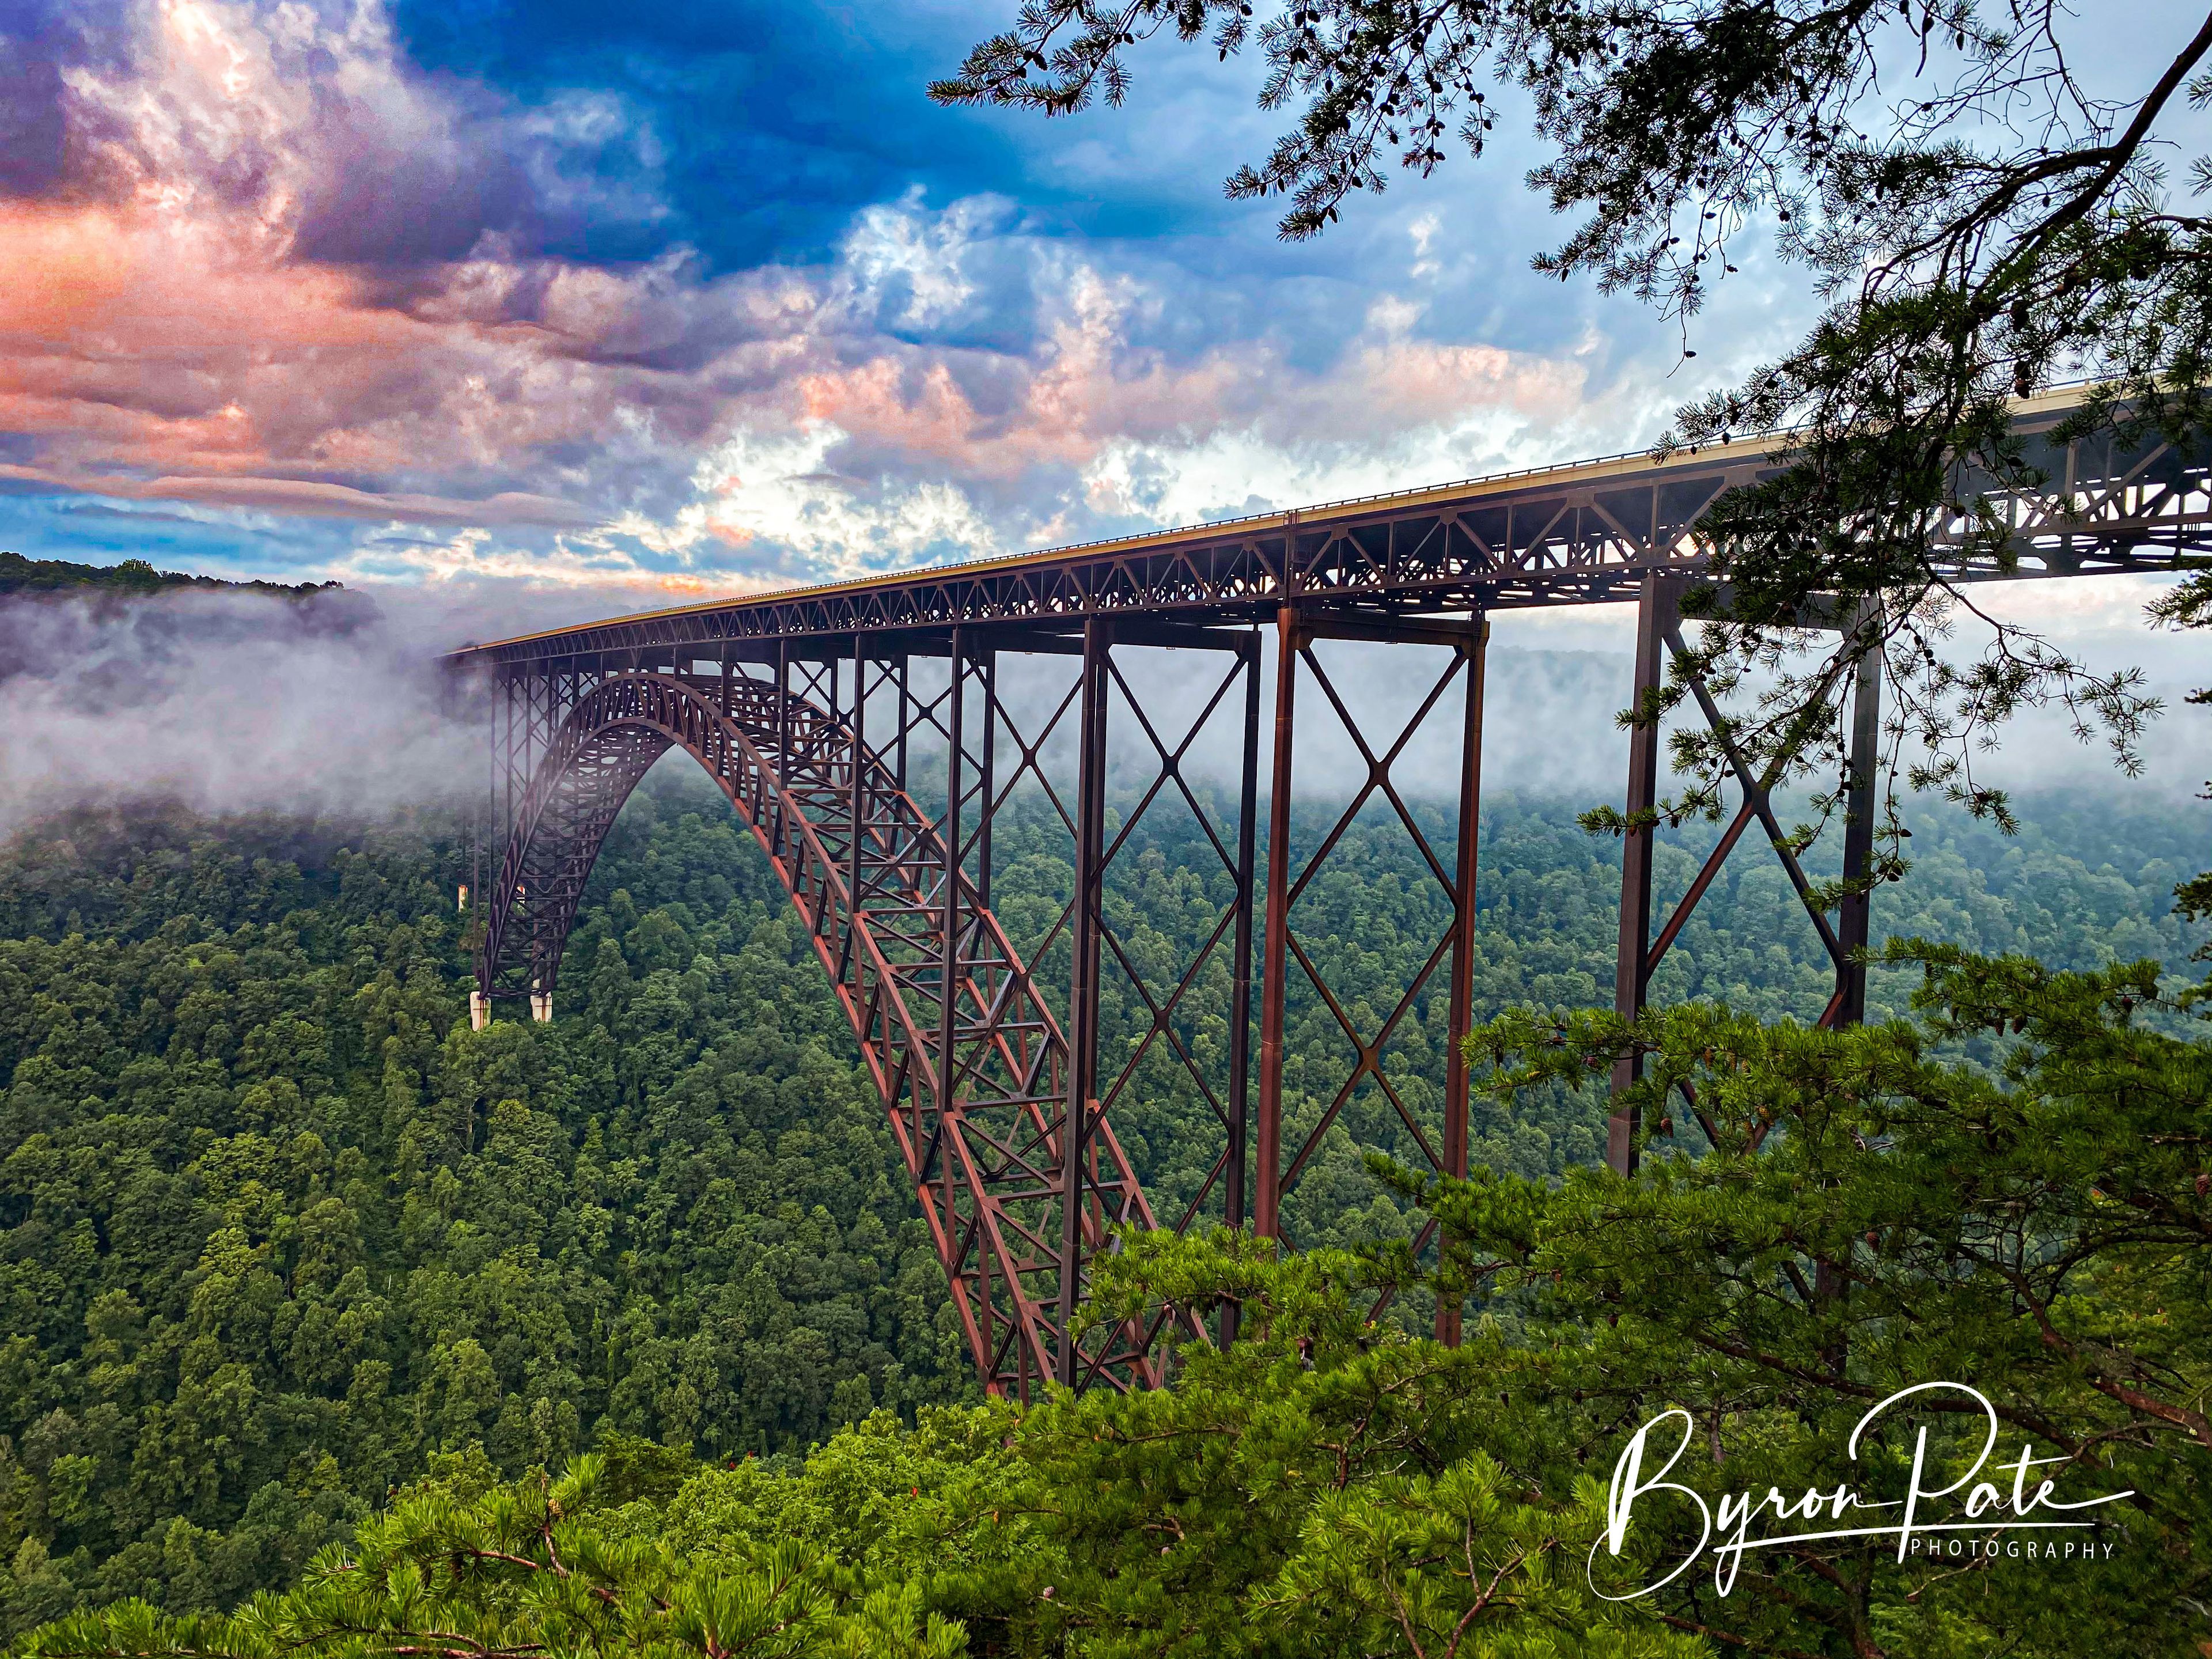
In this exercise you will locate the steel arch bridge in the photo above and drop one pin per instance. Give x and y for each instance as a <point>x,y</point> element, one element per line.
<point>866,735</point>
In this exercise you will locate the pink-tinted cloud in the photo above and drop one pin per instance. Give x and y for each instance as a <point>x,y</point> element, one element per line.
<point>315,499</point>
<point>192,318</point>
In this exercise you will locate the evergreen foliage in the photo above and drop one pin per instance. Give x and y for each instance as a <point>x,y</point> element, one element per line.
<point>1865,1214</point>
<point>285,1244</point>
<point>20,576</point>
<point>275,1228</point>
<point>2009,1189</point>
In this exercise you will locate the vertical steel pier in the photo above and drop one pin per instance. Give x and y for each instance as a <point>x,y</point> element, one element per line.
<point>884,739</point>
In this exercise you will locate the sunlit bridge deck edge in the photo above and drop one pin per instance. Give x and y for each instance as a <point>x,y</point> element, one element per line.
<point>1575,533</point>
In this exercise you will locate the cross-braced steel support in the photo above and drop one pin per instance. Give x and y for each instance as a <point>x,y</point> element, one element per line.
<point>1658,637</point>
<point>1441,1142</point>
<point>1005,1072</point>
<point>1146,1011</point>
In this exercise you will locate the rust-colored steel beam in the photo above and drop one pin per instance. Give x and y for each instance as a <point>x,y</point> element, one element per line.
<point>1240,1027</point>
<point>1081,1106</point>
<point>1854,917</point>
<point>1583,533</point>
<point>1464,868</point>
<point>1656,606</point>
<point>987,671</point>
<point>869,882</point>
<point>1274,956</point>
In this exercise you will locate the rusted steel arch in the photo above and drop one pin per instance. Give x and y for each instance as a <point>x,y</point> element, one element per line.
<point>975,1072</point>
<point>980,1130</point>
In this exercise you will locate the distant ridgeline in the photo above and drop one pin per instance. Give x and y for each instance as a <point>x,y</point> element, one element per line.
<point>20,575</point>
<point>130,626</point>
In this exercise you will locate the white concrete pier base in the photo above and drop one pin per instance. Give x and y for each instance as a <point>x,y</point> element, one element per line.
<point>479,1011</point>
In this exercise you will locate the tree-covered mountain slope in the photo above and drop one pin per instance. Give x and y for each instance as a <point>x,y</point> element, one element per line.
<point>274,1227</point>
<point>132,577</point>
<point>278,1232</point>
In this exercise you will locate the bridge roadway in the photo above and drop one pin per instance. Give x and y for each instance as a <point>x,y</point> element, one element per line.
<point>873,790</point>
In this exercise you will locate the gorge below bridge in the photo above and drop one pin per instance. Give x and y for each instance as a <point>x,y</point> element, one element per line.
<point>866,736</point>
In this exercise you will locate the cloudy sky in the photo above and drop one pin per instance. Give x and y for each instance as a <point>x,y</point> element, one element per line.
<point>710,297</point>
<point>518,312</point>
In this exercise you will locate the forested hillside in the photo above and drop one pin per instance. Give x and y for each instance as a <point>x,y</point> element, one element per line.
<point>20,576</point>
<point>278,1228</point>
<point>278,1232</point>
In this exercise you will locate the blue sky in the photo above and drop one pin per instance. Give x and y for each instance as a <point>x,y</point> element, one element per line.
<point>711,297</point>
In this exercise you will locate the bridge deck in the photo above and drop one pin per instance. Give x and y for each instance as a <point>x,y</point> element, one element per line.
<point>807,706</point>
<point>1577,533</point>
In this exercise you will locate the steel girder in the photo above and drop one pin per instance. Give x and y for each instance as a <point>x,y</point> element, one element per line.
<point>979,1120</point>
<point>1579,534</point>
<point>975,1070</point>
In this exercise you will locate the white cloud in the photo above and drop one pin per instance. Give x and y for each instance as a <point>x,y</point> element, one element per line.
<point>900,251</point>
<point>1423,230</point>
<point>781,489</point>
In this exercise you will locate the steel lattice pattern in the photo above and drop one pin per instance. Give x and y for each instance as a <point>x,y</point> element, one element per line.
<point>979,1123</point>
<point>1003,1111</point>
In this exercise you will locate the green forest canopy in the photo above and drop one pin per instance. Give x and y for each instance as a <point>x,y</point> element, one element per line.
<point>19,575</point>
<point>282,1236</point>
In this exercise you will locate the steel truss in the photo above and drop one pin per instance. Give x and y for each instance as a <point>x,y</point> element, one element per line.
<point>1568,535</point>
<point>866,735</point>
<point>1659,638</point>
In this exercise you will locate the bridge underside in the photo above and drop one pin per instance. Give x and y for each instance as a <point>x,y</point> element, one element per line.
<point>867,736</point>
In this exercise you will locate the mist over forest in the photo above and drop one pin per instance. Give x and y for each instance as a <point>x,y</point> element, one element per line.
<point>231,699</point>
<point>1544,1135</point>
<point>332,1244</point>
